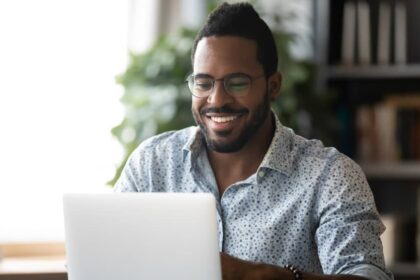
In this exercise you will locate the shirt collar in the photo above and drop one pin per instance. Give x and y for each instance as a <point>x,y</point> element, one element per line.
<point>278,156</point>
<point>194,144</point>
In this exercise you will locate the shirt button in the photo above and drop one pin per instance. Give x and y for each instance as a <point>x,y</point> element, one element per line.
<point>261,174</point>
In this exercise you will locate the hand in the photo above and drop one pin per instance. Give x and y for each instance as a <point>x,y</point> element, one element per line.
<point>236,269</point>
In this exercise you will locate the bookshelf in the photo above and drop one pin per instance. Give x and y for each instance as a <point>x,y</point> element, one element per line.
<point>374,72</point>
<point>368,53</point>
<point>393,171</point>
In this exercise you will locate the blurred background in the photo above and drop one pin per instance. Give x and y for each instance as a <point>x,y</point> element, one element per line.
<point>65,67</point>
<point>82,83</point>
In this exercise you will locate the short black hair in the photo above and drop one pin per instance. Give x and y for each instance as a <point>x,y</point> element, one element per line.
<point>241,20</point>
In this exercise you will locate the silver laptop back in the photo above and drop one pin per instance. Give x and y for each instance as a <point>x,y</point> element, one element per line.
<point>134,236</point>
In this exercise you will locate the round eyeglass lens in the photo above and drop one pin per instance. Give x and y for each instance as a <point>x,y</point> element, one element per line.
<point>200,86</point>
<point>237,85</point>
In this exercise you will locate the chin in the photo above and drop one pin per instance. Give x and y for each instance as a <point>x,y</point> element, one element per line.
<point>224,147</point>
<point>225,143</point>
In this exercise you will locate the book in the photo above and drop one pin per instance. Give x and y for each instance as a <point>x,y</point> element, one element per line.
<point>418,227</point>
<point>389,131</point>
<point>389,239</point>
<point>400,33</point>
<point>415,135</point>
<point>348,34</point>
<point>384,33</point>
<point>399,239</point>
<point>385,127</point>
<point>407,133</point>
<point>365,121</point>
<point>363,33</point>
<point>416,145</point>
<point>406,122</point>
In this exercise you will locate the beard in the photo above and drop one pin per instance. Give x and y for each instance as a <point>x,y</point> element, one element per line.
<point>250,129</point>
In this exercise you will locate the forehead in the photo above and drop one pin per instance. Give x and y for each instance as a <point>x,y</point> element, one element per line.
<point>222,55</point>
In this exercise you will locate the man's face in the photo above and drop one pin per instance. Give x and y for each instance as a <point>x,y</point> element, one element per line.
<point>227,122</point>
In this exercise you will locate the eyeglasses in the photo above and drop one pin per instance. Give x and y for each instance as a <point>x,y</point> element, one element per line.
<point>236,84</point>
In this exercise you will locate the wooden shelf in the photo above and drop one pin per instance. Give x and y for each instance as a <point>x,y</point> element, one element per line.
<point>406,270</point>
<point>374,72</point>
<point>399,170</point>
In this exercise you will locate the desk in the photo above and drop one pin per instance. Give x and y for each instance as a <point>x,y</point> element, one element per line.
<point>53,268</point>
<point>34,268</point>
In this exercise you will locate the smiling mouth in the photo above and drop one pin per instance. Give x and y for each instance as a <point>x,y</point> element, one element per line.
<point>223,119</point>
<point>223,115</point>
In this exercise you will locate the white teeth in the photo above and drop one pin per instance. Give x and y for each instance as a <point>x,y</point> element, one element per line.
<point>224,119</point>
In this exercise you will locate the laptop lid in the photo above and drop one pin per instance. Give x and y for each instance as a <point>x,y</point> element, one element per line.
<point>134,236</point>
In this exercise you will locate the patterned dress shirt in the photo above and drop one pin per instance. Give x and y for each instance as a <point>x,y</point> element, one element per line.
<point>307,205</point>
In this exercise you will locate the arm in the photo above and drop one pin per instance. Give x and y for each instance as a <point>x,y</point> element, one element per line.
<point>236,269</point>
<point>347,233</point>
<point>349,229</point>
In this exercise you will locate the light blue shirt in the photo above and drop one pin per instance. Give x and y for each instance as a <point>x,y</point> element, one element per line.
<point>307,205</point>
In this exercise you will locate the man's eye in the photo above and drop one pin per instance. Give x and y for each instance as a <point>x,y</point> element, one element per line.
<point>238,85</point>
<point>203,85</point>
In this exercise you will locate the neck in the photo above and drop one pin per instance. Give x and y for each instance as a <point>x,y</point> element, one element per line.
<point>233,167</point>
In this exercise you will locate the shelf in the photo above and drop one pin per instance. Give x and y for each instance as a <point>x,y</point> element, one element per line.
<point>374,72</point>
<point>406,270</point>
<point>399,170</point>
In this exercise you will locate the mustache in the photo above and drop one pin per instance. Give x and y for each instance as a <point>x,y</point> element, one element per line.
<point>221,110</point>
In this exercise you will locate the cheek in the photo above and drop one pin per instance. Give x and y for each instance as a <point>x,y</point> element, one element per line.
<point>196,104</point>
<point>251,103</point>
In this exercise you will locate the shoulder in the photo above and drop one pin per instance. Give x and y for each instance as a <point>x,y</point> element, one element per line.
<point>166,147</point>
<point>323,163</point>
<point>151,157</point>
<point>329,160</point>
<point>311,151</point>
<point>170,141</point>
<point>335,178</point>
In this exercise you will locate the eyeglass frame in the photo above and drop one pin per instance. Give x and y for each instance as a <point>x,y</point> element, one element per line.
<point>223,79</point>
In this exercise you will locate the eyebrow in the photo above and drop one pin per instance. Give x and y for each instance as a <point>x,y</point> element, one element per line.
<point>205,75</point>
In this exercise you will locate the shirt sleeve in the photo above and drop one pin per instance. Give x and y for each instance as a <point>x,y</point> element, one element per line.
<point>369,271</point>
<point>348,235</point>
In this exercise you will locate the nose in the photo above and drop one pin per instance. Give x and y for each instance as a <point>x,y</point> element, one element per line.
<point>219,97</point>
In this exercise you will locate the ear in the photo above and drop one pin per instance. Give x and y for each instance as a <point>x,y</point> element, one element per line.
<point>274,85</point>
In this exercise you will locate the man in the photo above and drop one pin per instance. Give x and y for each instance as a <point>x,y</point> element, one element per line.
<point>288,208</point>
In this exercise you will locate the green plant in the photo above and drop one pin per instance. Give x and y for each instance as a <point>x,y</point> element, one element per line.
<point>156,98</point>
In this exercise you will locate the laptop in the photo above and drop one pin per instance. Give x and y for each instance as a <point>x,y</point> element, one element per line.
<point>134,236</point>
